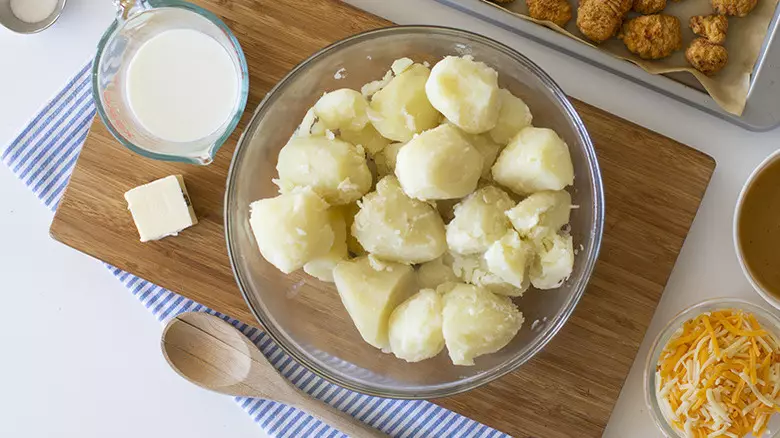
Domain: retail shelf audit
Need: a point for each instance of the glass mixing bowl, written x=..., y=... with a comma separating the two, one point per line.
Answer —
x=304, y=315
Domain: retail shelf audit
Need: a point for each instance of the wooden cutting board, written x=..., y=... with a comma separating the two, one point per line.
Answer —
x=653, y=189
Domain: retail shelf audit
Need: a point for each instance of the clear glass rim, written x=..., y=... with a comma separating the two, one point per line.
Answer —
x=675, y=323
x=456, y=387
x=243, y=92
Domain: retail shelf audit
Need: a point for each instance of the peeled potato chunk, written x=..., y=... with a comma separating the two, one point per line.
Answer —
x=401, y=65
x=513, y=116
x=395, y=227
x=310, y=125
x=385, y=160
x=479, y=221
x=401, y=109
x=438, y=164
x=434, y=273
x=334, y=169
x=322, y=267
x=536, y=159
x=554, y=261
x=509, y=258
x=489, y=151
x=541, y=212
x=368, y=137
x=370, y=292
x=477, y=322
x=415, y=327
x=291, y=229
x=342, y=109
x=466, y=92
x=473, y=269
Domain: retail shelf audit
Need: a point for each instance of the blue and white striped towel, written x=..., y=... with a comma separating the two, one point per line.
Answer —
x=43, y=156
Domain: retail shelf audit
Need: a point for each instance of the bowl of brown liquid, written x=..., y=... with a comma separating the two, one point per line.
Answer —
x=757, y=229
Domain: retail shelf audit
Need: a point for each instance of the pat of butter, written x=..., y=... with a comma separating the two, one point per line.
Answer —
x=161, y=208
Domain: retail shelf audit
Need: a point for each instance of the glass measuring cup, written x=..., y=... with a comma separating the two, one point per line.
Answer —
x=138, y=21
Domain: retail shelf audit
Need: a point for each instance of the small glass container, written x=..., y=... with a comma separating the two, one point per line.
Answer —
x=768, y=320
x=137, y=22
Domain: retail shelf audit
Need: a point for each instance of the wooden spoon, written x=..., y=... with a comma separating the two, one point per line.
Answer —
x=214, y=355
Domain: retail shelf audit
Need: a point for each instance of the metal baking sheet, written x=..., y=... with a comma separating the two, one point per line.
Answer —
x=762, y=111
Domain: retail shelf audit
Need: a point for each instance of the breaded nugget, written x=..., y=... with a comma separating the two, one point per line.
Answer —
x=652, y=36
x=711, y=27
x=649, y=6
x=740, y=8
x=557, y=11
x=706, y=57
x=600, y=20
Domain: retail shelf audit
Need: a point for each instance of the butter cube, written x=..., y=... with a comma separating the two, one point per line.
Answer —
x=161, y=208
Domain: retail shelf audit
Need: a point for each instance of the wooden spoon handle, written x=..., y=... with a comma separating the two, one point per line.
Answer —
x=268, y=383
x=213, y=354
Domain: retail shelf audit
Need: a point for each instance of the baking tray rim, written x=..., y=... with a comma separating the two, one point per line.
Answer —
x=660, y=83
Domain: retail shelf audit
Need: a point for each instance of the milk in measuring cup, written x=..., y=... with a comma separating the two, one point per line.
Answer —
x=182, y=85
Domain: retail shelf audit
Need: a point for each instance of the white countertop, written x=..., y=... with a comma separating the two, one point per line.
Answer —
x=82, y=356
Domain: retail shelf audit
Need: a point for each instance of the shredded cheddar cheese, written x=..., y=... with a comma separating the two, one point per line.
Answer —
x=719, y=375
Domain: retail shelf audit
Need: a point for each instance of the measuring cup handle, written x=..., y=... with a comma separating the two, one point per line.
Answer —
x=127, y=8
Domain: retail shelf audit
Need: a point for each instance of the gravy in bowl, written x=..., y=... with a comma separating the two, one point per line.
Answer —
x=758, y=228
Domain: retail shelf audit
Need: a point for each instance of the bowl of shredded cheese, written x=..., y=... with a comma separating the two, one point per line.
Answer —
x=714, y=371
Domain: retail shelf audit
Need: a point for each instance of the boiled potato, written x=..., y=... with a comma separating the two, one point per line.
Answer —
x=395, y=227
x=322, y=267
x=385, y=161
x=370, y=292
x=477, y=322
x=401, y=65
x=474, y=269
x=446, y=287
x=291, y=229
x=509, y=258
x=541, y=212
x=342, y=109
x=536, y=159
x=310, y=125
x=350, y=210
x=489, y=150
x=438, y=164
x=368, y=137
x=513, y=116
x=479, y=221
x=415, y=327
x=434, y=273
x=554, y=261
x=466, y=92
x=334, y=169
x=401, y=109
x=373, y=87
x=465, y=267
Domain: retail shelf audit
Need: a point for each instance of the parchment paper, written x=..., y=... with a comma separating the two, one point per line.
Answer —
x=729, y=87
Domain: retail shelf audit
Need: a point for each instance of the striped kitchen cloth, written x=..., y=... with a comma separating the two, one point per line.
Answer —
x=43, y=156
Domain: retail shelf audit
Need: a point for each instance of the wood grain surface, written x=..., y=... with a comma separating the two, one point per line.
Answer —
x=653, y=188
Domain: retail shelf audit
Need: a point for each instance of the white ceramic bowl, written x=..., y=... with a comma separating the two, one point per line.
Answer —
x=771, y=299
